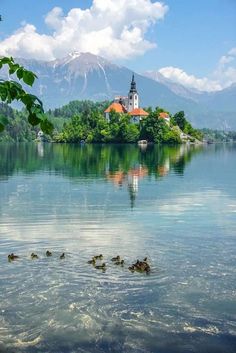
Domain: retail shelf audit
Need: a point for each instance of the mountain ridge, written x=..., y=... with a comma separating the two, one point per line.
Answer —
x=81, y=76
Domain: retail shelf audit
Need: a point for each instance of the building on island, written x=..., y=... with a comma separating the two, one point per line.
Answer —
x=165, y=116
x=129, y=104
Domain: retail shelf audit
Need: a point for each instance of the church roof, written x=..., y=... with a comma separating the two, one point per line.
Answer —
x=163, y=115
x=138, y=112
x=117, y=107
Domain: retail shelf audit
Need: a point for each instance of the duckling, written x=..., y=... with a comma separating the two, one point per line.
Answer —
x=12, y=257
x=98, y=257
x=48, y=253
x=92, y=262
x=34, y=256
x=62, y=256
x=147, y=269
x=131, y=268
x=120, y=262
x=101, y=267
x=117, y=258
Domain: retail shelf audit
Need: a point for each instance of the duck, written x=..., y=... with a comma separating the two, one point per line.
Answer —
x=48, y=253
x=121, y=262
x=98, y=257
x=12, y=257
x=62, y=256
x=117, y=258
x=34, y=256
x=101, y=267
x=143, y=267
x=140, y=266
x=92, y=262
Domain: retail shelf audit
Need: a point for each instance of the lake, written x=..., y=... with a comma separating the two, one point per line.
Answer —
x=175, y=205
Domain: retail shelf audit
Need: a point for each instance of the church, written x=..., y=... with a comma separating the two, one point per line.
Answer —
x=129, y=104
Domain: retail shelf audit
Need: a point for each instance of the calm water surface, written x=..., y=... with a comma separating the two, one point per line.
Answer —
x=177, y=206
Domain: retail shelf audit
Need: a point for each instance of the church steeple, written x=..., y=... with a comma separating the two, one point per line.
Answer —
x=133, y=86
x=133, y=100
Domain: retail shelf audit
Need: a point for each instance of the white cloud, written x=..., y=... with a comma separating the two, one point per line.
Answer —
x=223, y=76
x=178, y=75
x=225, y=72
x=114, y=29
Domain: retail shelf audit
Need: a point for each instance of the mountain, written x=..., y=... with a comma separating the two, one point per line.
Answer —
x=87, y=76
x=81, y=76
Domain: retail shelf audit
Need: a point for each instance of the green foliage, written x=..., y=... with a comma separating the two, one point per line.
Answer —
x=179, y=119
x=90, y=125
x=13, y=91
x=18, y=129
x=172, y=137
x=93, y=127
x=153, y=129
x=78, y=107
x=3, y=121
x=84, y=121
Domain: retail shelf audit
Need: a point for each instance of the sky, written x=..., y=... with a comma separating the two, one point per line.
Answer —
x=192, y=42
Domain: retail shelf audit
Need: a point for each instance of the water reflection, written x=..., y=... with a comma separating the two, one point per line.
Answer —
x=122, y=165
x=76, y=199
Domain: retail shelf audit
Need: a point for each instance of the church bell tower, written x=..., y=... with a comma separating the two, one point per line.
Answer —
x=133, y=99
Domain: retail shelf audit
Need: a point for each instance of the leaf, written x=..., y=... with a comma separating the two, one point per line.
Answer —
x=28, y=77
x=13, y=68
x=46, y=126
x=33, y=119
x=13, y=93
x=19, y=73
x=2, y=127
x=6, y=60
x=3, y=91
x=3, y=122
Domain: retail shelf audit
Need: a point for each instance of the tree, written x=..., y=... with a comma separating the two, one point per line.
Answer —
x=153, y=128
x=179, y=119
x=11, y=90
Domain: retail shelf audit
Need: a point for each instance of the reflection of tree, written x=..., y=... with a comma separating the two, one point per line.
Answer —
x=120, y=164
x=182, y=157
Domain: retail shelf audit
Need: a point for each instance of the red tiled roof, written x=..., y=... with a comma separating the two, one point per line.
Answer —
x=117, y=107
x=138, y=112
x=163, y=115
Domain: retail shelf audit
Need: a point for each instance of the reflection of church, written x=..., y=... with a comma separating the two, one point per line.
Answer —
x=131, y=179
x=173, y=159
x=129, y=104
